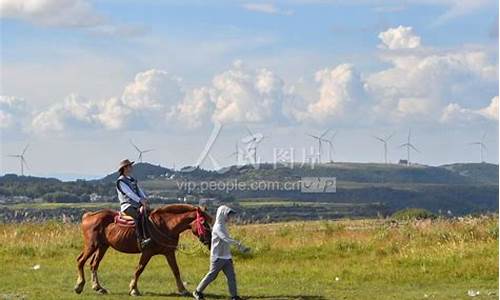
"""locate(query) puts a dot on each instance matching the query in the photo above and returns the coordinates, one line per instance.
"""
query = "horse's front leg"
(172, 262)
(143, 261)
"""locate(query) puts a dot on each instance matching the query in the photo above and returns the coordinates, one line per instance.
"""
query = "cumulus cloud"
(74, 112)
(491, 111)
(244, 95)
(418, 84)
(399, 38)
(453, 112)
(267, 8)
(195, 109)
(340, 96)
(143, 103)
(12, 111)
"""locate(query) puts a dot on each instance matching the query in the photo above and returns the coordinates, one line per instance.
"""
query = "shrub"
(413, 214)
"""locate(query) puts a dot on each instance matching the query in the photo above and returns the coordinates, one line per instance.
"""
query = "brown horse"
(166, 223)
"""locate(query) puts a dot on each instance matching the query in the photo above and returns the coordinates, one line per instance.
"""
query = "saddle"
(124, 220)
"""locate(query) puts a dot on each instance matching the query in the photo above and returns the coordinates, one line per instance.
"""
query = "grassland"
(362, 259)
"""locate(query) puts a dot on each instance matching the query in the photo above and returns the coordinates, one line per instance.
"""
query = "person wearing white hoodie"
(220, 255)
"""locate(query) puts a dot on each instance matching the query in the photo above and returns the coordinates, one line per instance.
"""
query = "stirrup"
(145, 243)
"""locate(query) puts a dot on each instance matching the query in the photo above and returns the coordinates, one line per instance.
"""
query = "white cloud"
(12, 111)
(429, 79)
(453, 112)
(243, 95)
(58, 13)
(196, 108)
(66, 14)
(74, 112)
(340, 97)
(267, 8)
(144, 103)
(491, 111)
(152, 89)
(113, 114)
(457, 8)
(399, 38)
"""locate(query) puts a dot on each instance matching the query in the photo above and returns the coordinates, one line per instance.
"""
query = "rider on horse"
(133, 200)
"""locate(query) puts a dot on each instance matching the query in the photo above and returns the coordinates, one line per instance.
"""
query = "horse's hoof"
(78, 288)
(134, 292)
(101, 291)
(185, 293)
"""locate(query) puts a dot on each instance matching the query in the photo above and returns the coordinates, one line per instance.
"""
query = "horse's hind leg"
(94, 266)
(82, 259)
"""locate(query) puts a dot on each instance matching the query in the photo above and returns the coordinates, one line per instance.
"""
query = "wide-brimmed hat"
(124, 163)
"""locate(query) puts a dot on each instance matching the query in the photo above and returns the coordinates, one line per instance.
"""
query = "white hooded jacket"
(221, 241)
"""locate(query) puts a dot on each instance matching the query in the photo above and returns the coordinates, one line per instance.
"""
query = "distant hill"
(460, 173)
(461, 187)
(142, 171)
(477, 172)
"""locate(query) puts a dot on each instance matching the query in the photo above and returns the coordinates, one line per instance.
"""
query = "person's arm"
(127, 191)
(223, 235)
(142, 194)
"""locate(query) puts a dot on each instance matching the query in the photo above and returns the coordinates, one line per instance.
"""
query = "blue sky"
(98, 73)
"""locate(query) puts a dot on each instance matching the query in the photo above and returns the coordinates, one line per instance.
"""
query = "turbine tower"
(22, 160)
(141, 152)
(384, 140)
(409, 146)
(331, 149)
(320, 139)
(236, 154)
(482, 147)
(253, 141)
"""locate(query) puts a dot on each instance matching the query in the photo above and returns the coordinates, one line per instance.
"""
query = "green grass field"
(363, 259)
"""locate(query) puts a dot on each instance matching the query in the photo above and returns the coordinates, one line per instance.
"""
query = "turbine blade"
(148, 150)
(249, 131)
(136, 148)
(313, 136)
(25, 148)
(413, 147)
(324, 133)
(390, 136)
(378, 138)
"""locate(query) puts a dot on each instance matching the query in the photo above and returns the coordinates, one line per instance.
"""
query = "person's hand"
(243, 249)
(145, 204)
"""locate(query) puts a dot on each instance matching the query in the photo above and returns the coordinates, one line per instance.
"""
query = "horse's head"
(201, 227)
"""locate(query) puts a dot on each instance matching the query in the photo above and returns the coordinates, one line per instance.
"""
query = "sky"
(82, 79)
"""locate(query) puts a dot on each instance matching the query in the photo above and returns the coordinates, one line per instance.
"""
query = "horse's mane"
(175, 209)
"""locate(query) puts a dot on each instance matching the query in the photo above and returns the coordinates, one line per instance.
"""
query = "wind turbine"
(409, 146)
(384, 140)
(22, 161)
(236, 154)
(482, 146)
(330, 144)
(141, 152)
(253, 140)
(319, 139)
